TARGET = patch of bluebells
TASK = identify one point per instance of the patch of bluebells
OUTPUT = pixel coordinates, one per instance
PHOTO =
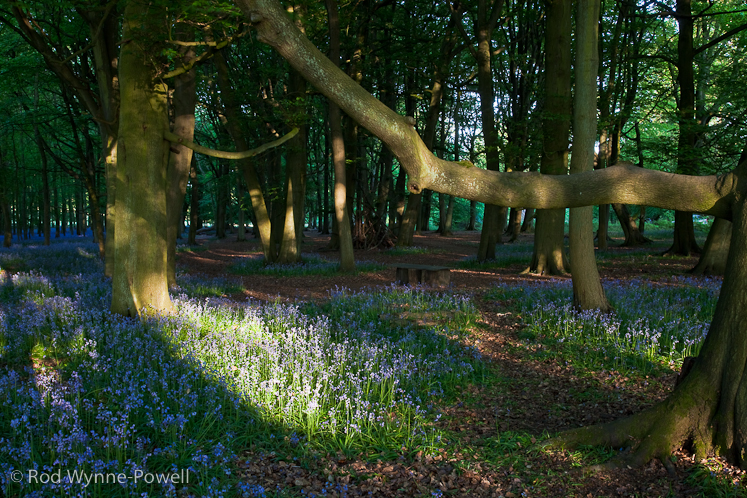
(652, 322)
(81, 388)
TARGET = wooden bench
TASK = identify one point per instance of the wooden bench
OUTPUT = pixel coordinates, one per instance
(435, 276)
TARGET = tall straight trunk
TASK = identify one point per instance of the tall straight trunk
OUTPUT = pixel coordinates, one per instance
(342, 214)
(326, 174)
(180, 159)
(603, 227)
(684, 232)
(241, 216)
(55, 204)
(222, 198)
(290, 247)
(97, 223)
(587, 287)
(45, 214)
(7, 223)
(549, 255)
(492, 226)
(63, 217)
(194, 203)
(80, 212)
(472, 216)
(140, 259)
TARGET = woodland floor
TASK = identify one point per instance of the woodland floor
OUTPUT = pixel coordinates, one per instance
(484, 420)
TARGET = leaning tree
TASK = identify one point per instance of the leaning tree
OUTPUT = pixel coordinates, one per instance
(708, 409)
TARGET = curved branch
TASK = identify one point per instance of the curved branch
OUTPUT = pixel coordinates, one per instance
(213, 47)
(173, 137)
(624, 183)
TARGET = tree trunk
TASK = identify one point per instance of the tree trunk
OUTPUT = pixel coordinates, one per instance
(514, 224)
(449, 218)
(603, 228)
(528, 224)
(290, 247)
(587, 287)
(494, 216)
(716, 249)
(180, 160)
(140, 266)
(194, 203)
(7, 223)
(549, 254)
(342, 214)
(684, 235)
(241, 216)
(45, 215)
(233, 114)
(633, 236)
(472, 216)
(708, 409)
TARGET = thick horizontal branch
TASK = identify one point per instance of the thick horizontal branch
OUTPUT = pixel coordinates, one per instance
(172, 137)
(622, 183)
(618, 184)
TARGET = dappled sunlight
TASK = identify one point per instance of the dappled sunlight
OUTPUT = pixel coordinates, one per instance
(189, 391)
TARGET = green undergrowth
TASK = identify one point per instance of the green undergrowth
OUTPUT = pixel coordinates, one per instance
(311, 265)
(716, 480)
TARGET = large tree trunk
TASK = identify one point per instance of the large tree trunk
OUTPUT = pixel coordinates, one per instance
(716, 249)
(549, 254)
(587, 287)
(140, 264)
(342, 214)
(708, 409)
(180, 160)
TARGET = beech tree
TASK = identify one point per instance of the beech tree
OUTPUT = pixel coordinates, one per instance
(708, 409)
